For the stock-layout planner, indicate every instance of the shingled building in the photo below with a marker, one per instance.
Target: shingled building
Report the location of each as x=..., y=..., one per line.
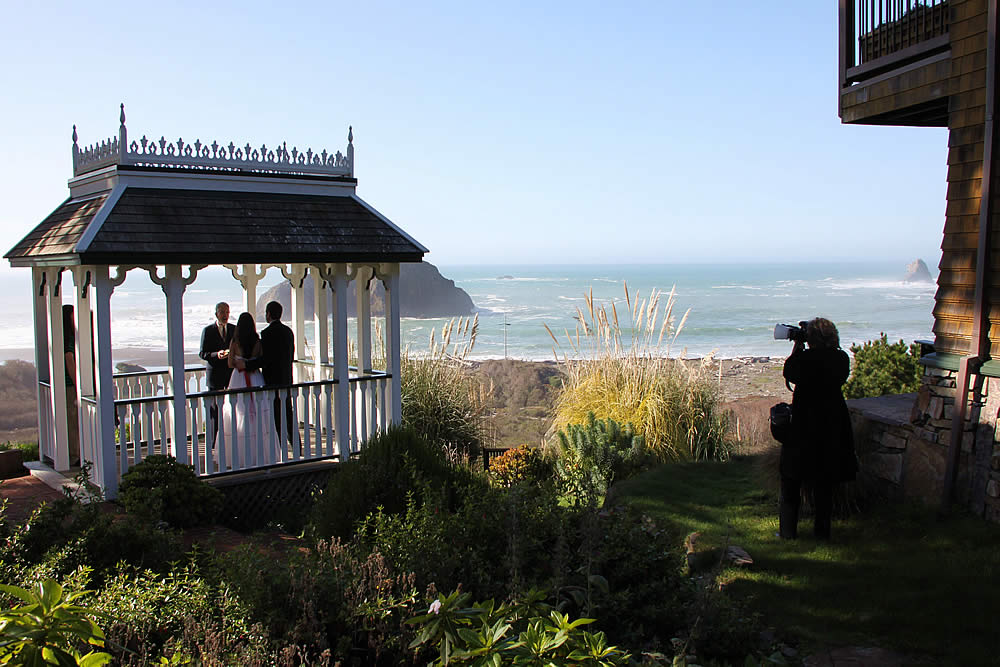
x=933, y=63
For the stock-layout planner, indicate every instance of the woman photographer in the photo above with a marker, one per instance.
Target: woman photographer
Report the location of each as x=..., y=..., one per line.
x=821, y=449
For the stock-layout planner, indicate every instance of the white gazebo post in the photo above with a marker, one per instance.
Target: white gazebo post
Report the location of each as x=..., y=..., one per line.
x=39, y=287
x=362, y=282
x=321, y=331
x=57, y=368
x=248, y=277
x=106, y=466
x=342, y=399
x=173, y=284
x=296, y=275
x=392, y=341
x=84, y=362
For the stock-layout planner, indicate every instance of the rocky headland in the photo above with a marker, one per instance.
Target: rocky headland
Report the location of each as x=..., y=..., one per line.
x=424, y=292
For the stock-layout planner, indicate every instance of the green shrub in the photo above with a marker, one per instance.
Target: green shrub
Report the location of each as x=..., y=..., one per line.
x=391, y=465
x=882, y=368
x=442, y=400
x=485, y=633
x=181, y=612
x=520, y=465
x=625, y=373
x=49, y=628
x=60, y=537
x=29, y=450
x=161, y=489
x=592, y=455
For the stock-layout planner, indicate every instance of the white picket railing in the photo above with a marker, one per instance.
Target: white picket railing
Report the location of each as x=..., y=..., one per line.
x=144, y=421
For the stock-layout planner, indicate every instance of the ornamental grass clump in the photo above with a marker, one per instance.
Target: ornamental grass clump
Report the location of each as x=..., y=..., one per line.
x=442, y=401
x=623, y=371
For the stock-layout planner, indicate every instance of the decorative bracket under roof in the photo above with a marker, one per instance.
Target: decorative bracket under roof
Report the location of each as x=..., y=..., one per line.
x=153, y=153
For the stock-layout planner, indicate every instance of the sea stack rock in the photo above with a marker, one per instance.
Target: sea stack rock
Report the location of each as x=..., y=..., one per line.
x=916, y=272
x=424, y=292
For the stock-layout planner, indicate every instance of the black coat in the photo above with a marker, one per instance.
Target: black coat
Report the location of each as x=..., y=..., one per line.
x=278, y=343
x=218, y=370
x=822, y=443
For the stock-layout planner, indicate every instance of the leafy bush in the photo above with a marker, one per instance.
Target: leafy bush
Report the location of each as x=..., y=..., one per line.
x=521, y=464
x=48, y=628
x=390, y=466
x=489, y=634
x=62, y=536
x=442, y=400
x=161, y=489
x=626, y=374
x=183, y=608
x=881, y=368
x=592, y=455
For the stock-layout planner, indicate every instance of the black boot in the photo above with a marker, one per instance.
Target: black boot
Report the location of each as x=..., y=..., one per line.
x=788, y=509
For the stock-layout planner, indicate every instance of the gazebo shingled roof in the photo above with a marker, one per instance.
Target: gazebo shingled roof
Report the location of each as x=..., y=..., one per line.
x=160, y=225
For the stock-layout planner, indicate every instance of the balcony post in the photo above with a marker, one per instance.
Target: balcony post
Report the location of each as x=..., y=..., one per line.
x=847, y=40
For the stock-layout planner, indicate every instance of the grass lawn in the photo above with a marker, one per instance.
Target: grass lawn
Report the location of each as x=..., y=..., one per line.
x=896, y=576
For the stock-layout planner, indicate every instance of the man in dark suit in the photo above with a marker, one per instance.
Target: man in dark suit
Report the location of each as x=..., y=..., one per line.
x=278, y=344
x=214, y=349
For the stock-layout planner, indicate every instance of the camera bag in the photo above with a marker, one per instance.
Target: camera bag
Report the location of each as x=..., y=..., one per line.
x=781, y=423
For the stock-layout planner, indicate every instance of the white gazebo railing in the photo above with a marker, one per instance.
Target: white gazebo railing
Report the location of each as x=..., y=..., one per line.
x=144, y=408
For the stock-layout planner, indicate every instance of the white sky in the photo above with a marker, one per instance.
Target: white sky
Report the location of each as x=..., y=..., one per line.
x=510, y=133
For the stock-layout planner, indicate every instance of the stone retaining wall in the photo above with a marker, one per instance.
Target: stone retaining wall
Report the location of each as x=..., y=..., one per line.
x=902, y=443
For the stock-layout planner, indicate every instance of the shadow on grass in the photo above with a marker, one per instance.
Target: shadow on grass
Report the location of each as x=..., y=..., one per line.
x=896, y=576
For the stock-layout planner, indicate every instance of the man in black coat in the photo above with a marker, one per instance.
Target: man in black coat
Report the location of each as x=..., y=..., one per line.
x=821, y=449
x=214, y=349
x=278, y=344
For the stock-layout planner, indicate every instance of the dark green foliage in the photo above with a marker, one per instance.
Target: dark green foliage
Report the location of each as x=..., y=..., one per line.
x=391, y=465
x=29, y=450
x=185, y=611
x=161, y=489
x=59, y=537
x=593, y=455
x=882, y=368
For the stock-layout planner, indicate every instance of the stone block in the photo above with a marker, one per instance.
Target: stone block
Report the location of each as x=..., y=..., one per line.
x=926, y=434
x=924, y=467
x=935, y=407
x=937, y=372
x=993, y=489
x=891, y=441
x=995, y=462
x=888, y=466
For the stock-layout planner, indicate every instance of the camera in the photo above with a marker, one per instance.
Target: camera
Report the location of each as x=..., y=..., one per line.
x=791, y=332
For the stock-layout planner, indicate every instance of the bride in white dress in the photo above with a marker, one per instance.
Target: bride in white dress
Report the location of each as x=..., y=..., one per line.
x=249, y=437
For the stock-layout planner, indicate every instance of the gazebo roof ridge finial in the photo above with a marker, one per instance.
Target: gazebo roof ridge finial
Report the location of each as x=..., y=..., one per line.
x=75, y=137
x=121, y=116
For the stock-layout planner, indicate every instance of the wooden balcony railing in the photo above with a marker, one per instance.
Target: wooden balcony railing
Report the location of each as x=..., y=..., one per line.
x=877, y=36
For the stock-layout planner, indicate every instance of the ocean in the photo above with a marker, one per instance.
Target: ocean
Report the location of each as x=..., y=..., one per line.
x=733, y=307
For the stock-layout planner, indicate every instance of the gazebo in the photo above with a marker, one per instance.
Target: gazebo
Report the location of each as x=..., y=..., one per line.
x=171, y=209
